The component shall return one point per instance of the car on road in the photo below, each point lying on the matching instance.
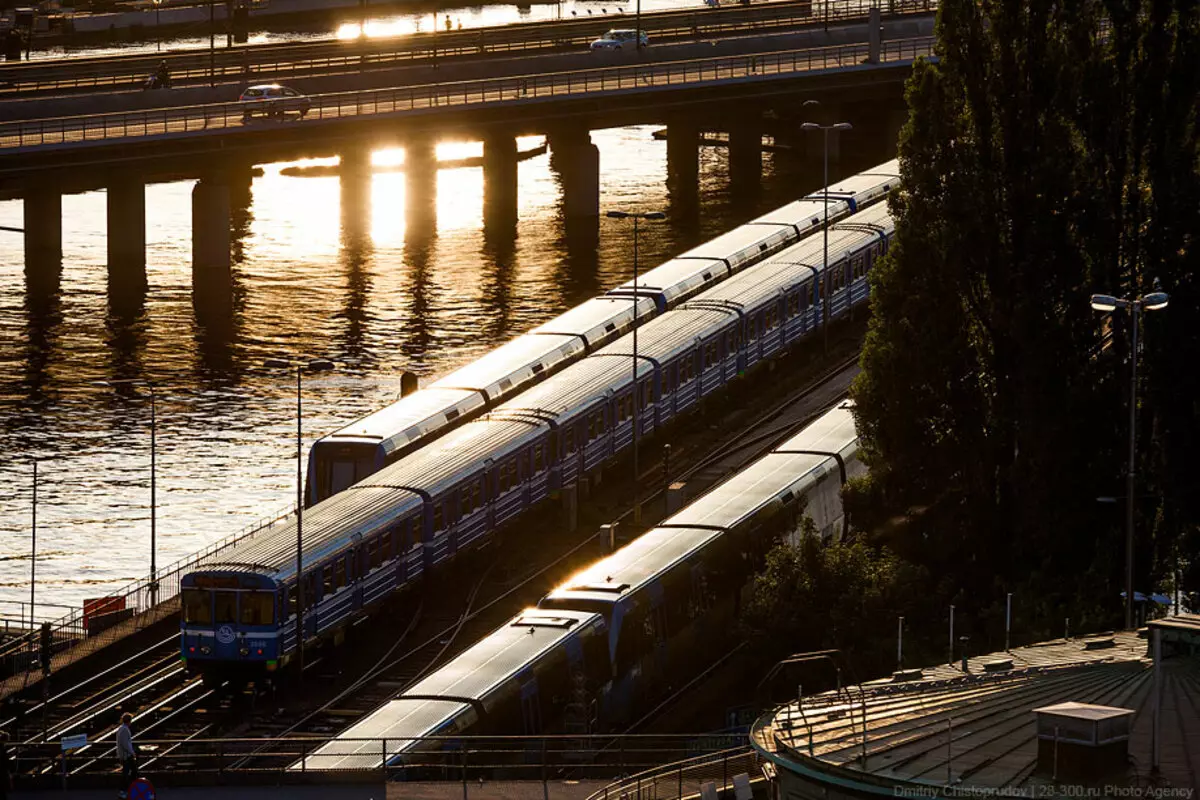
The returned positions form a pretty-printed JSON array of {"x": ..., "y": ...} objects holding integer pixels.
[
  {"x": 621, "y": 39},
  {"x": 272, "y": 100}
]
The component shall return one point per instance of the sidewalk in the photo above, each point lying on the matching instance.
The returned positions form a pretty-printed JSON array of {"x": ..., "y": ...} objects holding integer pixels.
[{"x": 441, "y": 790}]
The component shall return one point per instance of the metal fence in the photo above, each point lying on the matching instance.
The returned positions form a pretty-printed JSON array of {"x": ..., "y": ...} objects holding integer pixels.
[
  {"x": 622, "y": 761},
  {"x": 305, "y": 59},
  {"x": 140, "y": 604},
  {"x": 477, "y": 93}
]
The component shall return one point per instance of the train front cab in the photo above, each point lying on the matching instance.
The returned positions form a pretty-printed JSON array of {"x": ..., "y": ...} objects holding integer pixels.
[{"x": 229, "y": 627}]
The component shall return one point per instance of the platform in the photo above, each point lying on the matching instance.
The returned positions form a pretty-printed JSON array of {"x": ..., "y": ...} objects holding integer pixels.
[{"x": 440, "y": 790}]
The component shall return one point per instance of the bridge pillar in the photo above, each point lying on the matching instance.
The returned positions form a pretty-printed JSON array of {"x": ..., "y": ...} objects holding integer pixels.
[
  {"x": 577, "y": 161},
  {"x": 499, "y": 181},
  {"x": 420, "y": 172},
  {"x": 745, "y": 155},
  {"x": 212, "y": 280},
  {"x": 126, "y": 202},
  {"x": 43, "y": 238}
]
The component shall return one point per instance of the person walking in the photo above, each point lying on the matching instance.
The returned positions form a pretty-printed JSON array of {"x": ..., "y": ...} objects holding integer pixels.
[{"x": 126, "y": 754}]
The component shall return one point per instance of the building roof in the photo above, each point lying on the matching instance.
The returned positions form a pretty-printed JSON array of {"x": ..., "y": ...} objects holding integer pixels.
[{"x": 980, "y": 727}]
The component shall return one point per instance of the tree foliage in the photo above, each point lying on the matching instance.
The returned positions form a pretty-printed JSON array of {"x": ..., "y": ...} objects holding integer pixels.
[{"x": 1051, "y": 152}]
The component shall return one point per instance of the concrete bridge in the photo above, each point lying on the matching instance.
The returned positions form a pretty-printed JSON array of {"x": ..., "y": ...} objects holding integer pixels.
[{"x": 42, "y": 159}]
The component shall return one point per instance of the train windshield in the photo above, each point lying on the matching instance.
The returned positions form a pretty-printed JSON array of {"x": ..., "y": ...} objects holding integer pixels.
[
  {"x": 339, "y": 467},
  {"x": 225, "y": 607},
  {"x": 258, "y": 608},
  {"x": 197, "y": 606}
]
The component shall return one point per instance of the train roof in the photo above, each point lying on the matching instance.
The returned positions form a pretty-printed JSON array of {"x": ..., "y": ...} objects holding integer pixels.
[
  {"x": 628, "y": 570},
  {"x": 744, "y": 243},
  {"x": 597, "y": 320},
  {"x": 327, "y": 527},
  {"x": 804, "y": 213},
  {"x": 783, "y": 475},
  {"x": 676, "y": 279},
  {"x": 568, "y": 391},
  {"x": 514, "y": 363},
  {"x": 516, "y": 646},
  {"x": 865, "y": 186},
  {"x": 443, "y": 463},
  {"x": 877, "y": 214},
  {"x": 407, "y": 419}
]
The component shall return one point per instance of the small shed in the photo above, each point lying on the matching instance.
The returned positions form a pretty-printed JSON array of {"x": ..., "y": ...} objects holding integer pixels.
[{"x": 1081, "y": 741}]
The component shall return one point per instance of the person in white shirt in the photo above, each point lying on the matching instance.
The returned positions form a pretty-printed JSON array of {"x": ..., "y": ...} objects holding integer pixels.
[{"x": 127, "y": 754}]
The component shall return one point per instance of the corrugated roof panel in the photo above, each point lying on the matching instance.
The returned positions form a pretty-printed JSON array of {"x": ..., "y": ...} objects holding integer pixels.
[
  {"x": 677, "y": 279},
  {"x": 517, "y": 362},
  {"x": 598, "y": 320},
  {"x": 414, "y": 410},
  {"x": 744, "y": 243}
]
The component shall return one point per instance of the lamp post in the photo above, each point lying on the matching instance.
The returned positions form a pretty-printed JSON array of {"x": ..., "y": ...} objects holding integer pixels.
[
  {"x": 153, "y": 476},
  {"x": 157, "y": 34},
  {"x": 212, "y": 43},
  {"x": 636, "y": 216},
  {"x": 1107, "y": 303},
  {"x": 33, "y": 549},
  {"x": 824, "y": 283},
  {"x": 319, "y": 365}
]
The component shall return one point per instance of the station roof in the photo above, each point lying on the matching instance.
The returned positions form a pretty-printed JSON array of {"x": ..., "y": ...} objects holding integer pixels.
[{"x": 984, "y": 720}]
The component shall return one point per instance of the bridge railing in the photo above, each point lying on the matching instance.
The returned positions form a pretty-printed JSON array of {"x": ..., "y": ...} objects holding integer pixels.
[
  {"x": 132, "y": 607},
  {"x": 191, "y": 120},
  {"x": 303, "y": 59}
]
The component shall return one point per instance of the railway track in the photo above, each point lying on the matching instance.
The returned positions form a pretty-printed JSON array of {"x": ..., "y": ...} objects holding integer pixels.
[{"x": 347, "y": 682}]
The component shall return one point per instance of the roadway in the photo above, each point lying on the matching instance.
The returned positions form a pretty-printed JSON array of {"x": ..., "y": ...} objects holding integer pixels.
[
  {"x": 282, "y": 61},
  {"x": 191, "y": 122}
]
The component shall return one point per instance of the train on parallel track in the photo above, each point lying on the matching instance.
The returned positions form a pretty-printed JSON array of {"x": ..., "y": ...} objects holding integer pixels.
[
  {"x": 390, "y": 529},
  {"x": 607, "y": 642},
  {"x": 346, "y": 456}
]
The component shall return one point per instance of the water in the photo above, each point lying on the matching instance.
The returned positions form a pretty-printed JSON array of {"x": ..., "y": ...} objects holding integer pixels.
[
  {"x": 382, "y": 25},
  {"x": 311, "y": 280}
]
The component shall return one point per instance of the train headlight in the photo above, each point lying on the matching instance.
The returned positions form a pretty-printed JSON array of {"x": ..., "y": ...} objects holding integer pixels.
[
  {"x": 245, "y": 651},
  {"x": 205, "y": 650}
]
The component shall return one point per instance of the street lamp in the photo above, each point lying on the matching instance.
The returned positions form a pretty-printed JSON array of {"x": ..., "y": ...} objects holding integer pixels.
[
  {"x": 636, "y": 216},
  {"x": 1107, "y": 303},
  {"x": 153, "y": 475},
  {"x": 318, "y": 365},
  {"x": 825, "y": 129},
  {"x": 157, "y": 33}
]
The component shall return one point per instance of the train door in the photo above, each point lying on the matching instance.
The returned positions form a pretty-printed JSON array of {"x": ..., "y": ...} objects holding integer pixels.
[{"x": 531, "y": 708}]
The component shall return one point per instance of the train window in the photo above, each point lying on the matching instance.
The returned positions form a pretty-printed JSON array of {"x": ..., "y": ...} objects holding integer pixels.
[
  {"x": 437, "y": 517},
  {"x": 569, "y": 439},
  {"x": 225, "y": 607},
  {"x": 375, "y": 549},
  {"x": 477, "y": 495},
  {"x": 291, "y": 602},
  {"x": 197, "y": 606},
  {"x": 793, "y": 305},
  {"x": 805, "y": 294},
  {"x": 339, "y": 573},
  {"x": 258, "y": 608},
  {"x": 538, "y": 460},
  {"x": 647, "y": 393},
  {"x": 821, "y": 289},
  {"x": 327, "y": 580}
]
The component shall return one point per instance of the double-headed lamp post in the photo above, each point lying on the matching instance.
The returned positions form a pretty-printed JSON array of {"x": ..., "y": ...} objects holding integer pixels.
[
  {"x": 824, "y": 282},
  {"x": 1106, "y": 303},
  {"x": 149, "y": 384},
  {"x": 636, "y": 216},
  {"x": 319, "y": 365}
]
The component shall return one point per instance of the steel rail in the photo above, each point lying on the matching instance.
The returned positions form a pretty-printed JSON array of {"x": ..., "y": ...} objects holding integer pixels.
[{"x": 210, "y": 118}]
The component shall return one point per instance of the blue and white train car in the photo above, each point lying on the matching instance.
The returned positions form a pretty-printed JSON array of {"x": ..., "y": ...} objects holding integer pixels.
[
  {"x": 531, "y": 676},
  {"x": 673, "y": 591},
  {"x": 622, "y": 627},
  {"x": 384, "y": 532},
  {"x": 346, "y": 456}
]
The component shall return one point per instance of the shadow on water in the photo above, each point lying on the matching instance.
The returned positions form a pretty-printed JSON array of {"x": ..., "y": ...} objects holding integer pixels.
[{"x": 420, "y": 235}]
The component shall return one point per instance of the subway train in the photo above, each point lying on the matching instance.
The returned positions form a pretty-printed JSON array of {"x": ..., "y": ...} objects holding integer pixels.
[
  {"x": 346, "y": 456},
  {"x": 388, "y": 530},
  {"x": 607, "y": 642}
]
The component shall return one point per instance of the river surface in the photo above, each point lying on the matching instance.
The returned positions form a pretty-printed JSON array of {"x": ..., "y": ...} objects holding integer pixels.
[{"x": 316, "y": 275}]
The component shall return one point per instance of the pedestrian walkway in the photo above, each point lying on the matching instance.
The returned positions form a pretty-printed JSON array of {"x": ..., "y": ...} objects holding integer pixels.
[{"x": 440, "y": 790}]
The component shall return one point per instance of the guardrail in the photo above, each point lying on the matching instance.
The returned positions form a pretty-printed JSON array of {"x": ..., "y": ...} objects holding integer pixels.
[
  {"x": 70, "y": 635},
  {"x": 685, "y": 778},
  {"x": 372, "y": 102},
  {"x": 457, "y": 759},
  {"x": 332, "y": 57}
]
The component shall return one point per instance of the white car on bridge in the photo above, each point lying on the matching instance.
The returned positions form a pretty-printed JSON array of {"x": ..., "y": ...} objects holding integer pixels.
[{"x": 621, "y": 39}]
